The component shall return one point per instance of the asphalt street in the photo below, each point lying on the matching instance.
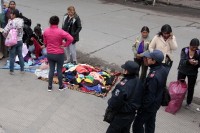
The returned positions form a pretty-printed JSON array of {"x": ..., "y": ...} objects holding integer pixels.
[{"x": 109, "y": 30}]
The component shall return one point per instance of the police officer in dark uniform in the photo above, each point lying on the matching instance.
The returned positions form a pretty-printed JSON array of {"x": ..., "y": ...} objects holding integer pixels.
[
  {"x": 126, "y": 99},
  {"x": 153, "y": 93}
]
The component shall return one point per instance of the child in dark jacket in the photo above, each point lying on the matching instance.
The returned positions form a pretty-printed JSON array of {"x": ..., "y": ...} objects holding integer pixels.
[{"x": 188, "y": 67}]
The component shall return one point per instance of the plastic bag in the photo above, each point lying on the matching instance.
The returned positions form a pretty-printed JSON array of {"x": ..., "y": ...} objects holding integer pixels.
[{"x": 177, "y": 91}]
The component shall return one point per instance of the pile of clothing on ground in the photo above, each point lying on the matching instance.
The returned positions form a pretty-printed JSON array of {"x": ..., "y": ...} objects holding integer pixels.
[{"x": 83, "y": 77}]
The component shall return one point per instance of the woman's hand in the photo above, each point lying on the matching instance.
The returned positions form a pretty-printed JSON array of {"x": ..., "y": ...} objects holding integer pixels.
[
  {"x": 193, "y": 62},
  {"x": 196, "y": 62},
  {"x": 138, "y": 56},
  {"x": 62, "y": 46},
  {"x": 42, "y": 46},
  {"x": 1, "y": 29}
]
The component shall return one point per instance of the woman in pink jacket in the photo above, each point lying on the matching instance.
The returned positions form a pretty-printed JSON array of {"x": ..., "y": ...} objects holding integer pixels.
[{"x": 54, "y": 40}]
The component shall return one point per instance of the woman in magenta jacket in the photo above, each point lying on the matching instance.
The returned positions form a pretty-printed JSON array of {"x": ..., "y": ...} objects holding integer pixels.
[{"x": 54, "y": 40}]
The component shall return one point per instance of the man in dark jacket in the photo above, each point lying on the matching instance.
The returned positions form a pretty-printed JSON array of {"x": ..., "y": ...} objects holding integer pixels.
[
  {"x": 126, "y": 99},
  {"x": 153, "y": 92},
  {"x": 72, "y": 25}
]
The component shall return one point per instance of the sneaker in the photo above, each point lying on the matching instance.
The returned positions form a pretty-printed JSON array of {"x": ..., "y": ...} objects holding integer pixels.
[
  {"x": 187, "y": 106},
  {"x": 22, "y": 72},
  {"x": 61, "y": 88},
  {"x": 12, "y": 73},
  {"x": 74, "y": 63},
  {"x": 198, "y": 109},
  {"x": 49, "y": 88},
  {"x": 66, "y": 62},
  {"x": 33, "y": 56}
]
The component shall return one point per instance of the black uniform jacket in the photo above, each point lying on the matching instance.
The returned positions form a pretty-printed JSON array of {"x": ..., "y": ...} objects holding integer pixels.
[
  {"x": 127, "y": 95},
  {"x": 154, "y": 87}
]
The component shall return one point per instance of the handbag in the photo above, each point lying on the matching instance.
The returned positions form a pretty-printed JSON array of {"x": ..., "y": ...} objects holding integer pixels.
[
  {"x": 168, "y": 61},
  {"x": 11, "y": 38},
  {"x": 109, "y": 115}
]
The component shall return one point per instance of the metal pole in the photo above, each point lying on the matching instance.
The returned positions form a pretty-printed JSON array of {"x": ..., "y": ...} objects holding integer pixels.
[
  {"x": 154, "y": 2},
  {"x": 1, "y": 37},
  {"x": 1, "y": 6}
]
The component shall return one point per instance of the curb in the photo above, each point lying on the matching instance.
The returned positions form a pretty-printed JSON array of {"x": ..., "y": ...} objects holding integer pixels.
[{"x": 178, "y": 5}]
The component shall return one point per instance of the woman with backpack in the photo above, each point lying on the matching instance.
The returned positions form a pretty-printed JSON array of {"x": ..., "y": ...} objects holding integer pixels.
[
  {"x": 16, "y": 22},
  {"x": 188, "y": 67},
  {"x": 140, "y": 46}
]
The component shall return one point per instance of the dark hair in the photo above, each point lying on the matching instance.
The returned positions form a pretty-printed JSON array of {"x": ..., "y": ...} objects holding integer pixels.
[
  {"x": 165, "y": 29},
  {"x": 54, "y": 20},
  {"x": 12, "y": 1},
  {"x": 16, "y": 13},
  {"x": 39, "y": 25},
  {"x": 37, "y": 29},
  {"x": 194, "y": 42},
  {"x": 145, "y": 28}
]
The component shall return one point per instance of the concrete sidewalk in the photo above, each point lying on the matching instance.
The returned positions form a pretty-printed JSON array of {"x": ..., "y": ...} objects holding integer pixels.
[
  {"x": 184, "y": 3},
  {"x": 108, "y": 33},
  {"x": 27, "y": 107}
]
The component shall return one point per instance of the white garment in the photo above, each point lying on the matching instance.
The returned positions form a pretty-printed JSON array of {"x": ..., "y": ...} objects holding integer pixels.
[{"x": 24, "y": 51}]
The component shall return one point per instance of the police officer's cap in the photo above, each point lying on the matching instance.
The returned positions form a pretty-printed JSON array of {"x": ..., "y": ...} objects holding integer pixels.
[
  {"x": 157, "y": 55},
  {"x": 131, "y": 66}
]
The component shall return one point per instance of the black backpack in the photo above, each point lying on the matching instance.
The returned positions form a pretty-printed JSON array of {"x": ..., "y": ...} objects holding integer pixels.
[
  {"x": 27, "y": 21},
  {"x": 28, "y": 33}
]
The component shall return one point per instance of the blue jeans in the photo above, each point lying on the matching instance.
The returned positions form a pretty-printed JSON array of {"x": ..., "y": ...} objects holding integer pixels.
[{"x": 16, "y": 50}]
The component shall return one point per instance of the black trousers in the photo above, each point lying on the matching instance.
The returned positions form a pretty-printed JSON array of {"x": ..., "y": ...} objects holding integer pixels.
[
  {"x": 191, "y": 84},
  {"x": 144, "y": 122},
  {"x": 143, "y": 68},
  {"x": 54, "y": 59},
  {"x": 121, "y": 124}
]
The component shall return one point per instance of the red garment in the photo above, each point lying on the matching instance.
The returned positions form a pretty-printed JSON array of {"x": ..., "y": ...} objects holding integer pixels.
[
  {"x": 85, "y": 89},
  {"x": 63, "y": 69},
  {"x": 53, "y": 39},
  {"x": 85, "y": 69},
  {"x": 38, "y": 48},
  {"x": 81, "y": 69}
]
